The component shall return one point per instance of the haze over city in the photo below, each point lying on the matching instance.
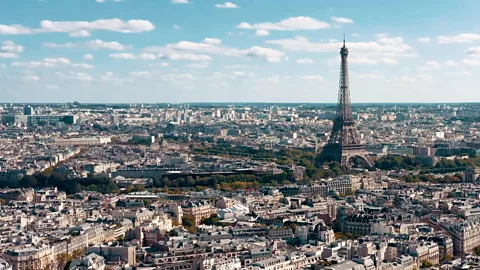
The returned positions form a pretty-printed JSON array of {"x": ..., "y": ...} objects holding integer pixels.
[{"x": 241, "y": 51}]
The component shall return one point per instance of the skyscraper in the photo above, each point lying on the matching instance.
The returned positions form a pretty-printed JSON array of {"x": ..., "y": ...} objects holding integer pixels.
[{"x": 28, "y": 110}]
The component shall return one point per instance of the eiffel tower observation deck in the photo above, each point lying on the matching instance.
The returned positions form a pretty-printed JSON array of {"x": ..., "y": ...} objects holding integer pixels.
[{"x": 344, "y": 142}]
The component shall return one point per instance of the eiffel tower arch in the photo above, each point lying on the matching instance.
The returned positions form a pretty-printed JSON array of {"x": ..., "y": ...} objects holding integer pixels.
[{"x": 344, "y": 142}]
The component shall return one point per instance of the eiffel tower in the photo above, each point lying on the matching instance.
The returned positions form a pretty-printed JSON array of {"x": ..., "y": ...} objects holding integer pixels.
[{"x": 344, "y": 143}]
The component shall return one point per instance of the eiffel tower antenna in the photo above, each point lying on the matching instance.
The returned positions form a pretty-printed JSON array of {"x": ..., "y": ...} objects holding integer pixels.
[{"x": 344, "y": 142}]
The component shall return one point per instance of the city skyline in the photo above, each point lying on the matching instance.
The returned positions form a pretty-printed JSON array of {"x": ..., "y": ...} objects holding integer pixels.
[{"x": 185, "y": 51}]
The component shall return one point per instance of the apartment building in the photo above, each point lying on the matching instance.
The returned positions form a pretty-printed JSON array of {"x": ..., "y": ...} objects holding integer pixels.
[
  {"x": 198, "y": 210},
  {"x": 465, "y": 236}
]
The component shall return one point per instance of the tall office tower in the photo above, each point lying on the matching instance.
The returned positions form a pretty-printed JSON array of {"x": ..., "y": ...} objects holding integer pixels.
[
  {"x": 28, "y": 110},
  {"x": 114, "y": 118},
  {"x": 218, "y": 113},
  {"x": 344, "y": 142}
]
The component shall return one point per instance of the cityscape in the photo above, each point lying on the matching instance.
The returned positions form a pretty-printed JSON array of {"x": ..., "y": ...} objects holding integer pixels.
[{"x": 341, "y": 184}]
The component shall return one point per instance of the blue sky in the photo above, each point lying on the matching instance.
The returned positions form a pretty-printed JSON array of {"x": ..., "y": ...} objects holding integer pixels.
[{"x": 237, "y": 51}]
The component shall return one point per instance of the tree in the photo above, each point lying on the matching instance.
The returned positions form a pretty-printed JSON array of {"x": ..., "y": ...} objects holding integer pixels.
[
  {"x": 41, "y": 178},
  {"x": 190, "y": 181},
  {"x": 129, "y": 189},
  {"x": 476, "y": 251},
  {"x": 139, "y": 188},
  {"x": 212, "y": 220},
  {"x": 62, "y": 260},
  {"x": 28, "y": 181},
  {"x": 147, "y": 203},
  {"x": 448, "y": 257},
  {"x": 339, "y": 235},
  {"x": 188, "y": 221},
  {"x": 157, "y": 183},
  {"x": 426, "y": 264},
  {"x": 200, "y": 188},
  {"x": 56, "y": 180},
  {"x": 3, "y": 202},
  {"x": 77, "y": 254}
]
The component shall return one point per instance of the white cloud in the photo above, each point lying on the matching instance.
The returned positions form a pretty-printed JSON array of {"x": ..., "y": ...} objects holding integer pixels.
[
  {"x": 141, "y": 73},
  {"x": 212, "y": 41},
  {"x": 78, "y": 76},
  {"x": 461, "y": 38},
  {"x": 81, "y": 28},
  {"x": 416, "y": 79},
  {"x": 123, "y": 56},
  {"x": 8, "y": 55},
  {"x": 88, "y": 57},
  {"x": 103, "y": 1},
  {"x": 305, "y": 61},
  {"x": 461, "y": 72},
  {"x": 275, "y": 79},
  {"x": 238, "y": 66},
  {"x": 270, "y": 55},
  {"x": 471, "y": 62},
  {"x": 96, "y": 44},
  {"x": 177, "y": 77},
  {"x": 198, "y": 65},
  {"x": 425, "y": 77},
  {"x": 371, "y": 61},
  {"x": 473, "y": 51},
  {"x": 424, "y": 40},
  {"x": 52, "y": 63},
  {"x": 383, "y": 50},
  {"x": 173, "y": 50},
  {"x": 10, "y": 47},
  {"x": 239, "y": 73},
  {"x": 389, "y": 61},
  {"x": 176, "y": 27},
  {"x": 407, "y": 79},
  {"x": 113, "y": 25},
  {"x": 14, "y": 29},
  {"x": 185, "y": 56},
  {"x": 180, "y": 1},
  {"x": 51, "y": 86},
  {"x": 290, "y": 24},
  {"x": 195, "y": 46},
  {"x": 262, "y": 33},
  {"x": 167, "y": 54},
  {"x": 162, "y": 64},
  {"x": 226, "y": 5},
  {"x": 147, "y": 56},
  {"x": 431, "y": 65},
  {"x": 110, "y": 77},
  {"x": 100, "y": 44},
  {"x": 56, "y": 45},
  {"x": 450, "y": 63},
  {"x": 341, "y": 20},
  {"x": 31, "y": 78},
  {"x": 32, "y": 64},
  {"x": 55, "y": 61},
  {"x": 81, "y": 33},
  {"x": 312, "y": 78},
  {"x": 370, "y": 76}
]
